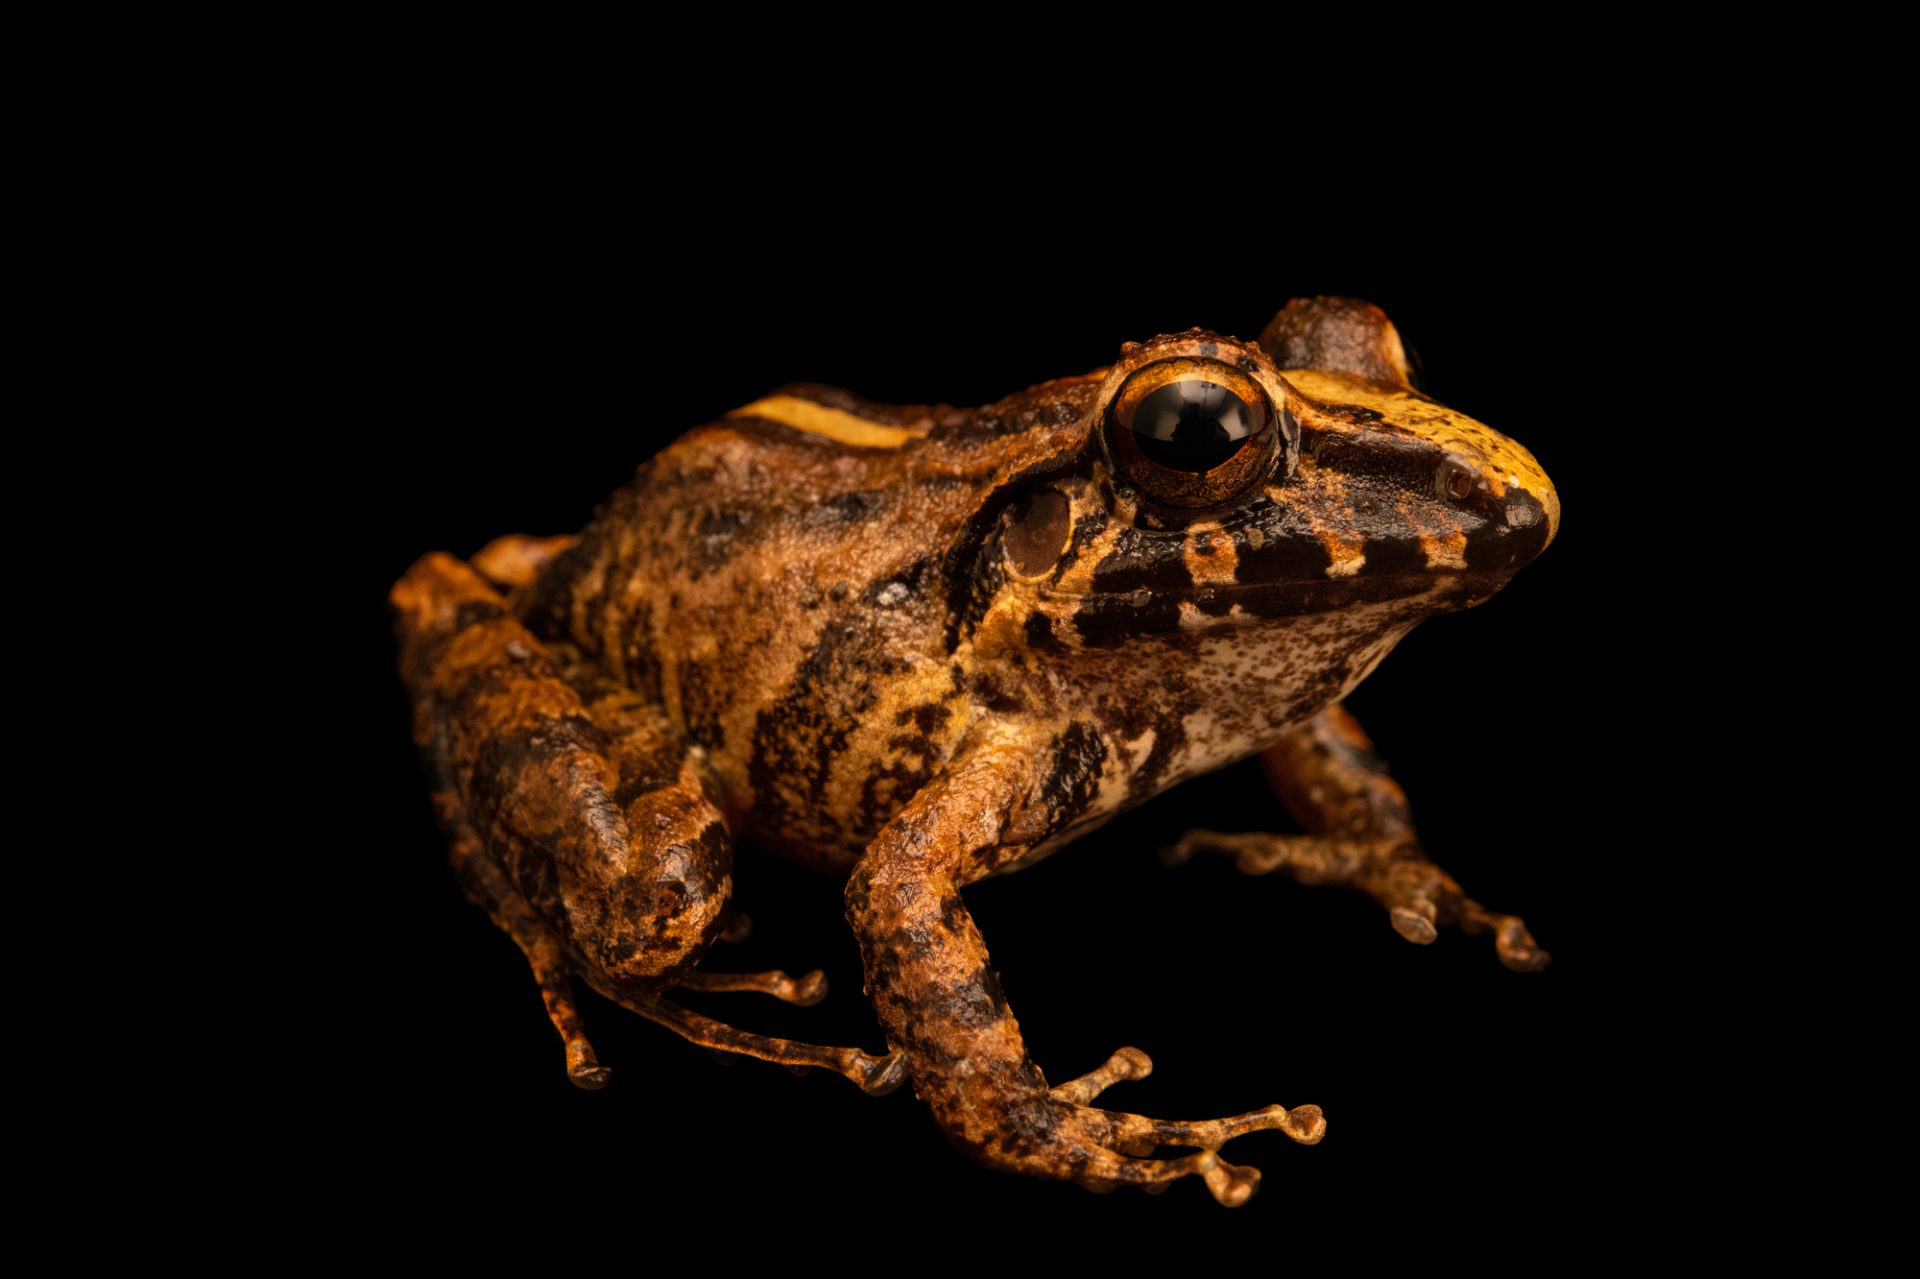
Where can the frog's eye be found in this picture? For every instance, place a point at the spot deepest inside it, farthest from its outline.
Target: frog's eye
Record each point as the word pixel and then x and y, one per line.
pixel 1191 433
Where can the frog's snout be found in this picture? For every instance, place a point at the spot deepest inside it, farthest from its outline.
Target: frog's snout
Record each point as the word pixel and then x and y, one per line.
pixel 1526 512
pixel 1524 519
pixel 1511 493
pixel 1539 494
pixel 1512 517
pixel 1529 498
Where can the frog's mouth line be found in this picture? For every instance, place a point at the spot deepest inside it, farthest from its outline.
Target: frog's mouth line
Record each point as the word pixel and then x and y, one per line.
pixel 1281 599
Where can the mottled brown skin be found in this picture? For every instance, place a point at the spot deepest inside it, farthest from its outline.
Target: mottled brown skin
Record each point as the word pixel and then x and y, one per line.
pixel 922 645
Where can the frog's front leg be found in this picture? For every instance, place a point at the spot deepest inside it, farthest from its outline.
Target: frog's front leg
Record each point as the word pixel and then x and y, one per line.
pixel 936 994
pixel 1359 834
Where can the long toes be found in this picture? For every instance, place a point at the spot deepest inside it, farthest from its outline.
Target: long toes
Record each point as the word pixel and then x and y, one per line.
pixel 1139 1135
pixel 1117 1157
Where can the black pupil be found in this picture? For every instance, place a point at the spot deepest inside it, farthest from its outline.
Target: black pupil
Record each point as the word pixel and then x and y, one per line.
pixel 1192 425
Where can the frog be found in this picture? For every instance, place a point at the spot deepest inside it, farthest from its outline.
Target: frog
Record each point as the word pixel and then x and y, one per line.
pixel 915 646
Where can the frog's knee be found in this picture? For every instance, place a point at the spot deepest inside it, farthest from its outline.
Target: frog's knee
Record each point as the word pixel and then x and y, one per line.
pixel 439 594
pixel 655 916
pixel 516 560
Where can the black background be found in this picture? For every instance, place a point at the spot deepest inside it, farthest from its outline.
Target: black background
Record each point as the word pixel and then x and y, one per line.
pixel 522 337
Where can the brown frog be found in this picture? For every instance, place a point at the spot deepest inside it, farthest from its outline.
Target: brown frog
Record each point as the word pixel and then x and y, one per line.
pixel 916 646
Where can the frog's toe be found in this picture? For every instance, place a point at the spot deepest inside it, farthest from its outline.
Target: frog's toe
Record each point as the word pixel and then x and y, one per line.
pixel 1229 1184
pixel 1181 851
pixel 1137 1134
pixel 591 1076
pixel 1305 1124
pixel 884 1074
pixel 1414 921
pixel 1128 1063
pixel 1511 940
pixel 810 989
pixel 1516 946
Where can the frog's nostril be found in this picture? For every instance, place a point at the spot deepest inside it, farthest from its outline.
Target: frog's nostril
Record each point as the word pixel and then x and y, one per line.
pixel 1534 509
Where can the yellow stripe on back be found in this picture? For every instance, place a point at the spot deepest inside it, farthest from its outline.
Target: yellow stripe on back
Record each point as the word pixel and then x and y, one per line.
pixel 819 419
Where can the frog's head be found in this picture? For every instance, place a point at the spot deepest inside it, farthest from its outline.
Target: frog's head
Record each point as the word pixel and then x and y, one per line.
pixel 1221 482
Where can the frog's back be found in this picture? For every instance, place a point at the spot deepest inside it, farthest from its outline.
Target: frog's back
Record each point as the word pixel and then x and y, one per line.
pixel 783 582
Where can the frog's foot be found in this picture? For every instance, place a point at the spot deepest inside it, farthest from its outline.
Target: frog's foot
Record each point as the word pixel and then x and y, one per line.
pixel 1418 895
pixel 1105 1149
pixel 1138 1135
pixel 874 1075
pixel 810 989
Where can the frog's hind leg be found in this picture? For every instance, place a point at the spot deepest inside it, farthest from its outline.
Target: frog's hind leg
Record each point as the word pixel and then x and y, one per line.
pixel 578 819
pixel 1359 834
pixel 511 914
pixel 487 886
pixel 654 762
pixel 605 827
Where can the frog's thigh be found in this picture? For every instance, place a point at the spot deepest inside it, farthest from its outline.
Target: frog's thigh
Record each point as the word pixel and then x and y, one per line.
pixel 490 890
pixel 1360 835
pixel 545 774
pixel 935 992
pixel 489 887
pixel 607 834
